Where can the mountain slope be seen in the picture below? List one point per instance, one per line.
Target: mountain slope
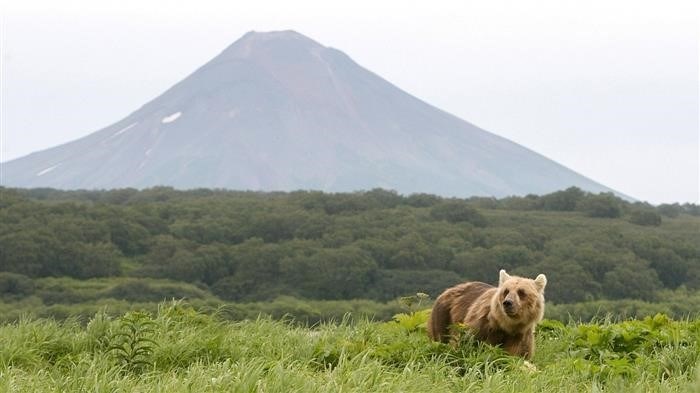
(279, 111)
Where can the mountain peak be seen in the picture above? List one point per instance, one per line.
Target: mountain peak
(275, 34)
(254, 42)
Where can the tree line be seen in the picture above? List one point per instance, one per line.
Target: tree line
(377, 244)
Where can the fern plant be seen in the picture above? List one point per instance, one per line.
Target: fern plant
(132, 344)
(414, 319)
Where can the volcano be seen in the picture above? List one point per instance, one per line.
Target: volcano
(279, 111)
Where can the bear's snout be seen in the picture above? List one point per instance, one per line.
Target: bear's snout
(509, 307)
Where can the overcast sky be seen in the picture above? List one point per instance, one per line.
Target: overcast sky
(607, 88)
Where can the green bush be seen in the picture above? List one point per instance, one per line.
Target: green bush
(15, 286)
(455, 211)
(645, 217)
(601, 206)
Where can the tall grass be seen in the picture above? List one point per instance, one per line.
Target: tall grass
(188, 351)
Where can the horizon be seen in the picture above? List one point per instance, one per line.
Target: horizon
(640, 167)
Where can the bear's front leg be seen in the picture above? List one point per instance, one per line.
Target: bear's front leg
(520, 345)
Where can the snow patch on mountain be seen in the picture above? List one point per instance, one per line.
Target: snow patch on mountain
(47, 170)
(171, 118)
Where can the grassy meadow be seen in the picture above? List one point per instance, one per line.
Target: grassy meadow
(177, 349)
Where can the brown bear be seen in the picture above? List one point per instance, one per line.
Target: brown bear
(505, 315)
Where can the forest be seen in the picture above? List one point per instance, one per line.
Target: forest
(306, 252)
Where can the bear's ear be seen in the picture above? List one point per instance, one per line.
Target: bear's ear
(541, 282)
(502, 277)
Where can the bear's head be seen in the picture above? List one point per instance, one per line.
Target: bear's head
(519, 301)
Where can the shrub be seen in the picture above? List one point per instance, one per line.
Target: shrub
(15, 286)
(454, 211)
(563, 200)
(645, 217)
(601, 206)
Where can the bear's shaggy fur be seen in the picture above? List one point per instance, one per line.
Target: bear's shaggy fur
(505, 315)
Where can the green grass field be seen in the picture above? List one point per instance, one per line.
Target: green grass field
(178, 349)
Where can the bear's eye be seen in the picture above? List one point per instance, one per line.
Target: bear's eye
(521, 292)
